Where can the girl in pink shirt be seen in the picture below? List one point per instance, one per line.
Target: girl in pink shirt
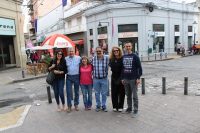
(86, 82)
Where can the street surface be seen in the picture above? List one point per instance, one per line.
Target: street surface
(170, 113)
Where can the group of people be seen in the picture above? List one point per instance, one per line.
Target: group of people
(80, 71)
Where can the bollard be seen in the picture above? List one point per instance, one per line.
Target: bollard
(163, 85)
(148, 58)
(185, 85)
(165, 55)
(23, 75)
(161, 55)
(155, 56)
(143, 86)
(141, 57)
(49, 94)
(108, 93)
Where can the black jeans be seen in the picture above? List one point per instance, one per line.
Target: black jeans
(117, 93)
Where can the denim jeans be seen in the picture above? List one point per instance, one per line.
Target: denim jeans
(58, 87)
(87, 95)
(72, 79)
(101, 88)
(131, 93)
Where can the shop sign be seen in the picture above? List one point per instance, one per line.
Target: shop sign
(7, 26)
(190, 34)
(127, 34)
(177, 34)
(102, 36)
(157, 34)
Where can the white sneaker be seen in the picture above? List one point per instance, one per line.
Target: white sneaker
(120, 110)
(114, 109)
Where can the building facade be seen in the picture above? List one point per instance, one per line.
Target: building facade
(12, 47)
(69, 20)
(151, 26)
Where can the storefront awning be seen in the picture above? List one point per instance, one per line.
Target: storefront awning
(79, 42)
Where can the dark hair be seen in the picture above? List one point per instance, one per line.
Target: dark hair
(99, 47)
(62, 58)
(128, 42)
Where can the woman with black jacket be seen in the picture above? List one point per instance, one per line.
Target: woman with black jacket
(117, 89)
(60, 69)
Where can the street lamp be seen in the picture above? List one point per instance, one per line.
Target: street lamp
(194, 23)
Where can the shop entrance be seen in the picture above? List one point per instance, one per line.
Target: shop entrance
(7, 54)
(158, 44)
(133, 40)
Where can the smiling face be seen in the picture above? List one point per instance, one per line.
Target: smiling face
(115, 52)
(128, 47)
(99, 52)
(59, 55)
(71, 52)
(84, 61)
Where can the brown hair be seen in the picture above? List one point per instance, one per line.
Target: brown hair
(85, 57)
(112, 56)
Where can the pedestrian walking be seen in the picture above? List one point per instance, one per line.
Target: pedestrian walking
(86, 82)
(131, 72)
(117, 88)
(100, 80)
(58, 66)
(73, 63)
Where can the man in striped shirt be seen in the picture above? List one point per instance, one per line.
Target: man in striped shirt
(100, 80)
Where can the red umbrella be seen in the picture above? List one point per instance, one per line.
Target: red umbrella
(58, 41)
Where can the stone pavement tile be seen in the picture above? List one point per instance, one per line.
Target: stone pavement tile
(13, 118)
(157, 114)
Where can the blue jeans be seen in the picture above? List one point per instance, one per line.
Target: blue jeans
(58, 87)
(72, 79)
(101, 88)
(87, 95)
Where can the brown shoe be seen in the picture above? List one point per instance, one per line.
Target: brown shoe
(69, 109)
(76, 108)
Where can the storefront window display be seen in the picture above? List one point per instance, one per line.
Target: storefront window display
(103, 38)
(128, 33)
(159, 38)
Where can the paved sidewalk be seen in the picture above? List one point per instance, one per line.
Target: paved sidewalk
(15, 75)
(158, 114)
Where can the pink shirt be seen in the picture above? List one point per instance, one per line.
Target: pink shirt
(86, 75)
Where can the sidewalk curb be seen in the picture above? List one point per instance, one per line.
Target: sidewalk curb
(27, 79)
(159, 60)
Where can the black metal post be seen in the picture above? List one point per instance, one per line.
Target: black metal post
(161, 55)
(143, 86)
(185, 85)
(49, 94)
(141, 57)
(23, 75)
(163, 85)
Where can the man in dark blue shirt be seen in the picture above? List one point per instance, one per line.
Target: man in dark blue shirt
(131, 72)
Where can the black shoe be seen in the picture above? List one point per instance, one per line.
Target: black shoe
(104, 109)
(128, 110)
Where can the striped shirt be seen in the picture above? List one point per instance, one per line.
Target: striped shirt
(100, 67)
